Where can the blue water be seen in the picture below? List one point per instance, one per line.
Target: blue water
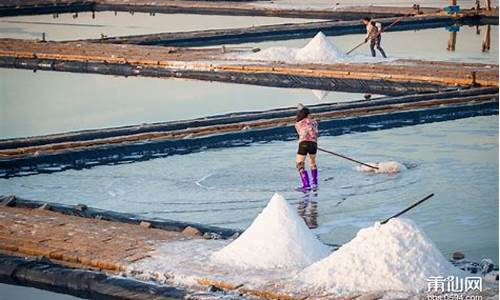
(456, 160)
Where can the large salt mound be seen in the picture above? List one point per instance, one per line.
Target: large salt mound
(278, 237)
(390, 167)
(396, 256)
(319, 50)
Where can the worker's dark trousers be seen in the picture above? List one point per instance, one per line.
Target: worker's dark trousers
(376, 43)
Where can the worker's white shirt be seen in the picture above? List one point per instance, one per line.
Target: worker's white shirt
(372, 30)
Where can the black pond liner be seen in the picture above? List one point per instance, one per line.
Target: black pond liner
(83, 283)
(146, 150)
(81, 210)
(232, 118)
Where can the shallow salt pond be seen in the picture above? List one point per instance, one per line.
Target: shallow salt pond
(89, 101)
(425, 44)
(456, 160)
(66, 27)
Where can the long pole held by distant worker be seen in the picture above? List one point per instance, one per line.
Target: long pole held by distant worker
(383, 29)
(348, 158)
(407, 209)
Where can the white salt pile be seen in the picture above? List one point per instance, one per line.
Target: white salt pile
(396, 256)
(389, 167)
(319, 50)
(277, 238)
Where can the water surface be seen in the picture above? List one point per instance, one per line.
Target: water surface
(455, 160)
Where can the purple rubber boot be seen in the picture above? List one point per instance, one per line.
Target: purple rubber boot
(314, 174)
(305, 179)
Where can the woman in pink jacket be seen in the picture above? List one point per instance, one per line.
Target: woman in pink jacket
(307, 129)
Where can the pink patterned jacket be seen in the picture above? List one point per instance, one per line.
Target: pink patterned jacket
(307, 129)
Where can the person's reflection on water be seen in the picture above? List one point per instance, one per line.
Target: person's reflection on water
(308, 209)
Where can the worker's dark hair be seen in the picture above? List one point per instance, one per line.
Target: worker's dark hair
(302, 114)
(367, 19)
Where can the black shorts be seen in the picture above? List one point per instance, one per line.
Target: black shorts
(307, 147)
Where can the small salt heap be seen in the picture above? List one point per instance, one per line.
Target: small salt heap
(319, 50)
(389, 167)
(396, 256)
(277, 238)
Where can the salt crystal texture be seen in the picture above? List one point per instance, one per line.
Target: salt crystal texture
(396, 256)
(390, 167)
(275, 54)
(319, 50)
(277, 238)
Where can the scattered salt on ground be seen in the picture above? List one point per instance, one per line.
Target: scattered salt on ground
(390, 167)
(396, 256)
(319, 50)
(277, 238)
(273, 54)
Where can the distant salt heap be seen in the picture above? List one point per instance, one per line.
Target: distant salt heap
(390, 167)
(319, 50)
(277, 238)
(396, 256)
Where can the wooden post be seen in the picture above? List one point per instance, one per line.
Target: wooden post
(452, 41)
(486, 39)
(488, 4)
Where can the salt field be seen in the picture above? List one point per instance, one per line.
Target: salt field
(456, 160)
(220, 204)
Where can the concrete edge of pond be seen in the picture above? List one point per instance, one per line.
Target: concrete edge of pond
(84, 283)
(241, 134)
(229, 118)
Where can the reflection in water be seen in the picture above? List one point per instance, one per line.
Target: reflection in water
(452, 37)
(486, 39)
(308, 208)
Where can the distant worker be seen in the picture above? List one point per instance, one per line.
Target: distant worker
(307, 130)
(374, 35)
